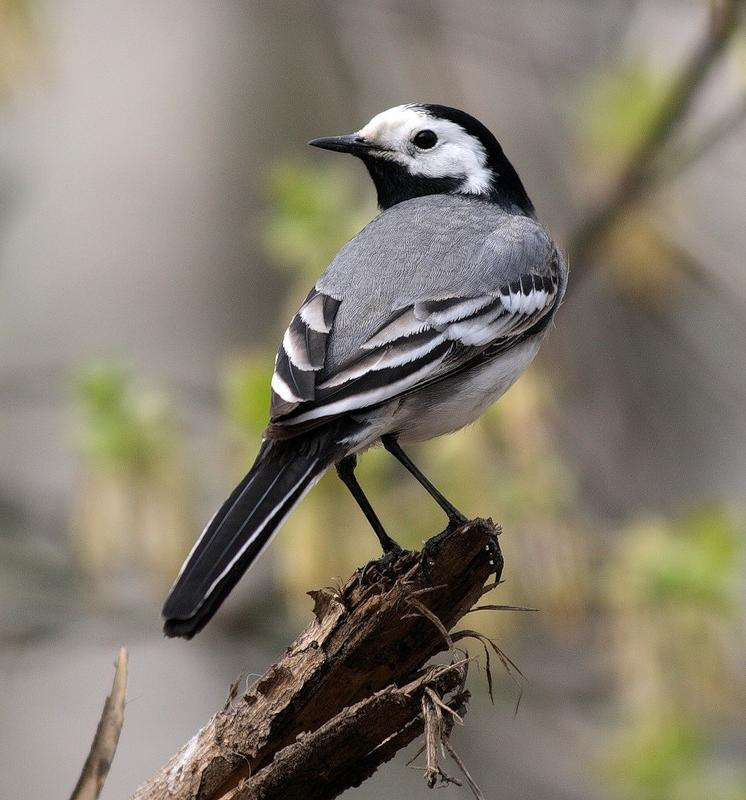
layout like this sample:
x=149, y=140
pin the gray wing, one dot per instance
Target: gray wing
x=415, y=340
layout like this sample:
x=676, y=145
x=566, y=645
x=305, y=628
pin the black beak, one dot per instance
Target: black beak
x=350, y=143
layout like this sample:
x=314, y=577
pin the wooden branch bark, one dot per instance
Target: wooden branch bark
x=348, y=693
x=106, y=739
x=348, y=749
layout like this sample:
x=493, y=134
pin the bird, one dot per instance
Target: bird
x=420, y=322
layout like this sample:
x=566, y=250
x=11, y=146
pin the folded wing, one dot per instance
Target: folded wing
x=422, y=342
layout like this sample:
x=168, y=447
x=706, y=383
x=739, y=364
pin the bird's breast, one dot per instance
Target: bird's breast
x=456, y=402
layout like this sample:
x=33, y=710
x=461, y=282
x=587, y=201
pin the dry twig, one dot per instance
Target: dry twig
x=105, y=741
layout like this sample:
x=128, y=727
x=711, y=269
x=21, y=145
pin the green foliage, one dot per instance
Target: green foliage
x=617, y=109
x=119, y=426
x=133, y=496
x=691, y=560
x=246, y=393
x=673, y=586
x=656, y=760
x=18, y=44
x=313, y=212
x=669, y=760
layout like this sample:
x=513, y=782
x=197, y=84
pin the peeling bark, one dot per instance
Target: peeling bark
x=348, y=693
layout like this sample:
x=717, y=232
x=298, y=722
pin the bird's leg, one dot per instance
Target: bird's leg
x=346, y=472
x=455, y=517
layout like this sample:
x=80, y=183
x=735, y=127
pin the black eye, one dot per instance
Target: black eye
x=425, y=140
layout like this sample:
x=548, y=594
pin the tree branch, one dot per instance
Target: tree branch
x=348, y=693
x=635, y=175
x=687, y=156
x=105, y=741
x=348, y=749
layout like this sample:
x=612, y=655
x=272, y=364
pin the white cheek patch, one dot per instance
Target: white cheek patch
x=463, y=157
x=457, y=154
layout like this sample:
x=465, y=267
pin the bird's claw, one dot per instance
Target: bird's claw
x=382, y=563
x=456, y=521
x=430, y=550
x=496, y=556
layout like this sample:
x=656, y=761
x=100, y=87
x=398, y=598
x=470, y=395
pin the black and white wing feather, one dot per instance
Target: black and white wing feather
x=302, y=354
x=418, y=344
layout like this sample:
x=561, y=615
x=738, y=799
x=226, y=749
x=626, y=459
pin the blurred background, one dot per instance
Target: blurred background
x=161, y=218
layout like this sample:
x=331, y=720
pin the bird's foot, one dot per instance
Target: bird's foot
x=430, y=549
x=432, y=545
x=496, y=556
x=455, y=520
x=383, y=564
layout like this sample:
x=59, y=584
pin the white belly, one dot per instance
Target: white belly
x=449, y=406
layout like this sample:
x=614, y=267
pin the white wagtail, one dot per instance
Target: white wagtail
x=420, y=323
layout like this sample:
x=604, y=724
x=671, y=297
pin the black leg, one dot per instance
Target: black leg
x=455, y=517
x=346, y=472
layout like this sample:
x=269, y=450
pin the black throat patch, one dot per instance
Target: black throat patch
x=394, y=183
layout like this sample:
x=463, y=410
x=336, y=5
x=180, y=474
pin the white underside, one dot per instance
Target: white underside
x=451, y=405
x=455, y=403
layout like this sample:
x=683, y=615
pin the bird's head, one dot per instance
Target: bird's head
x=421, y=148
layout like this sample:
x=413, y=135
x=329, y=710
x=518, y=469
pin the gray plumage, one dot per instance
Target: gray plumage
x=429, y=248
x=421, y=322
x=424, y=288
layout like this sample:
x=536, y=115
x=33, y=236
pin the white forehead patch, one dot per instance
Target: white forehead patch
x=456, y=154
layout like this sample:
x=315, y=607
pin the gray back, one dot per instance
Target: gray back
x=428, y=248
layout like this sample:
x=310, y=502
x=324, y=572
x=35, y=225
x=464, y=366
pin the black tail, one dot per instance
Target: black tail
x=234, y=537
